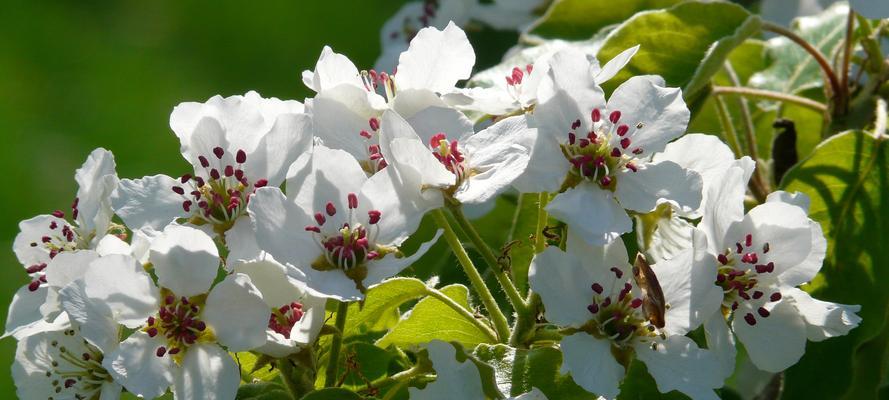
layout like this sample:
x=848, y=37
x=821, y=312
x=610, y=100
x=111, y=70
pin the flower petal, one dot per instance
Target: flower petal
x=773, y=343
x=592, y=212
x=329, y=176
x=591, y=364
x=614, y=65
x=236, y=313
x=806, y=270
x=339, y=114
x=97, y=179
x=662, y=110
x=496, y=159
x=389, y=266
x=24, y=316
x=185, y=260
x=824, y=319
x=28, y=245
x=656, y=183
x=455, y=379
x=787, y=230
x=122, y=285
x=136, y=366
x=332, y=69
x=69, y=266
x=687, y=281
x=147, y=202
x=207, y=373
x=724, y=207
x=435, y=60
x=678, y=364
x=721, y=342
x=563, y=284
x=93, y=318
x=280, y=228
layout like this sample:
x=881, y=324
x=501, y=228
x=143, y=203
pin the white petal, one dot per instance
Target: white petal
x=678, y=364
x=724, y=207
x=24, y=316
x=721, y=342
x=185, y=260
x=97, y=180
x=290, y=136
x=705, y=154
x=241, y=243
x=207, y=373
x=430, y=121
x=28, y=245
x=306, y=330
x=435, y=60
x=824, y=319
x=806, y=270
x=546, y=168
x=280, y=228
x=571, y=72
x=136, y=366
x=110, y=391
x=40, y=371
x=661, y=109
x=329, y=178
x=402, y=209
x=798, y=199
x=93, y=317
x=124, y=287
x=614, y=65
x=455, y=379
x=389, y=266
x=563, y=284
x=788, y=232
x=236, y=313
x=671, y=235
x=495, y=160
x=110, y=244
x=333, y=284
x=69, y=266
x=591, y=364
x=339, y=114
x=332, y=69
x=655, y=183
x=147, y=202
x=591, y=212
x=776, y=342
x=687, y=281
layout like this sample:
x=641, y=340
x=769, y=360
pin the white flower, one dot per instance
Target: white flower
x=297, y=316
x=338, y=230
x=512, y=85
x=456, y=379
x=591, y=289
x=62, y=365
x=180, y=325
x=759, y=260
x=598, y=155
x=236, y=144
x=440, y=153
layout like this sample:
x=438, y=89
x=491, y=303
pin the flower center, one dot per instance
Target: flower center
x=348, y=246
x=375, y=161
x=618, y=317
x=449, y=155
x=739, y=275
x=221, y=199
x=597, y=155
x=76, y=367
x=178, y=322
x=283, y=318
x=514, y=80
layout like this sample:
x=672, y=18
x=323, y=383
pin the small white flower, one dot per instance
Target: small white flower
x=236, y=144
x=337, y=230
x=591, y=289
x=602, y=166
x=180, y=325
x=759, y=260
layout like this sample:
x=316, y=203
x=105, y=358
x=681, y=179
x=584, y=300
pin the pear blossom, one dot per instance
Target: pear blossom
x=337, y=230
x=236, y=145
x=591, y=291
x=603, y=163
x=759, y=260
x=296, y=315
x=181, y=322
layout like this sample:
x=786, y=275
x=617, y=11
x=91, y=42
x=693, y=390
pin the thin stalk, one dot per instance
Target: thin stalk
x=726, y=120
x=501, y=326
x=403, y=376
x=526, y=320
x=462, y=311
x=749, y=130
x=540, y=240
x=835, y=88
x=771, y=95
x=847, y=53
x=297, y=386
x=512, y=293
x=335, y=345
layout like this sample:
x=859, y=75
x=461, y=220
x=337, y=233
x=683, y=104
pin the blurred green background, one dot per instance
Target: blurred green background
x=79, y=75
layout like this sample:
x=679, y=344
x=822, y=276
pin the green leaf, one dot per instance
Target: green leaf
x=333, y=394
x=847, y=179
x=521, y=238
x=638, y=384
x=581, y=19
x=793, y=69
x=380, y=309
x=371, y=361
x=431, y=319
x=686, y=44
x=262, y=391
x=255, y=367
x=518, y=370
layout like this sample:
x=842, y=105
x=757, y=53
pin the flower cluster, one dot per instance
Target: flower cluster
x=291, y=205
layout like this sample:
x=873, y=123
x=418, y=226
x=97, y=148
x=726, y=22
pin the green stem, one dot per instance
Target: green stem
x=501, y=326
x=847, y=54
x=542, y=216
x=403, y=376
x=297, y=386
x=749, y=131
x=771, y=95
x=726, y=120
x=830, y=75
x=462, y=311
x=526, y=321
x=518, y=304
x=335, y=345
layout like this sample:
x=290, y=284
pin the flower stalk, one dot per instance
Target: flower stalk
x=336, y=345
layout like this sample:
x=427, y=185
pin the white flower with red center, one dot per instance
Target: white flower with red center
x=296, y=315
x=615, y=317
x=759, y=260
x=236, y=145
x=62, y=364
x=443, y=158
x=337, y=230
x=179, y=324
x=597, y=156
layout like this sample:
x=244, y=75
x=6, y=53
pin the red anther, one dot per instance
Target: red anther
x=170, y=299
x=185, y=178
x=373, y=216
x=593, y=308
x=761, y=269
x=204, y=162
x=152, y=332
x=436, y=139
x=607, y=302
x=637, y=151
x=617, y=272
x=751, y=320
x=239, y=175
x=509, y=81
x=69, y=383
x=615, y=152
x=575, y=124
x=624, y=143
x=584, y=143
x=331, y=210
x=353, y=201
x=161, y=351
x=763, y=312
x=201, y=326
x=374, y=124
x=636, y=303
x=151, y=320
x=632, y=167
x=75, y=202
x=775, y=296
x=571, y=138
x=614, y=116
x=622, y=130
x=186, y=205
x=199, y=181
x=178, y=190
x=214, y=174
x=596, y=115
x=86, y=356
x=218, y=152
x=34, y=285
x=597, y=288
x=734, y=306
x=53, y=225
x=720, y=278
x=311, y=228
x=529, y=68
x=58, y=214
x=765, y=247
x=260, y=183
x=757, y=294
x=241, y=157
x=722, y=258
x=319, y=218
x=739, y=248
x=46, y=239
x=771, y=266
x=175, y=350
x=365, y=134
x=748, y=240
x=229, y=171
